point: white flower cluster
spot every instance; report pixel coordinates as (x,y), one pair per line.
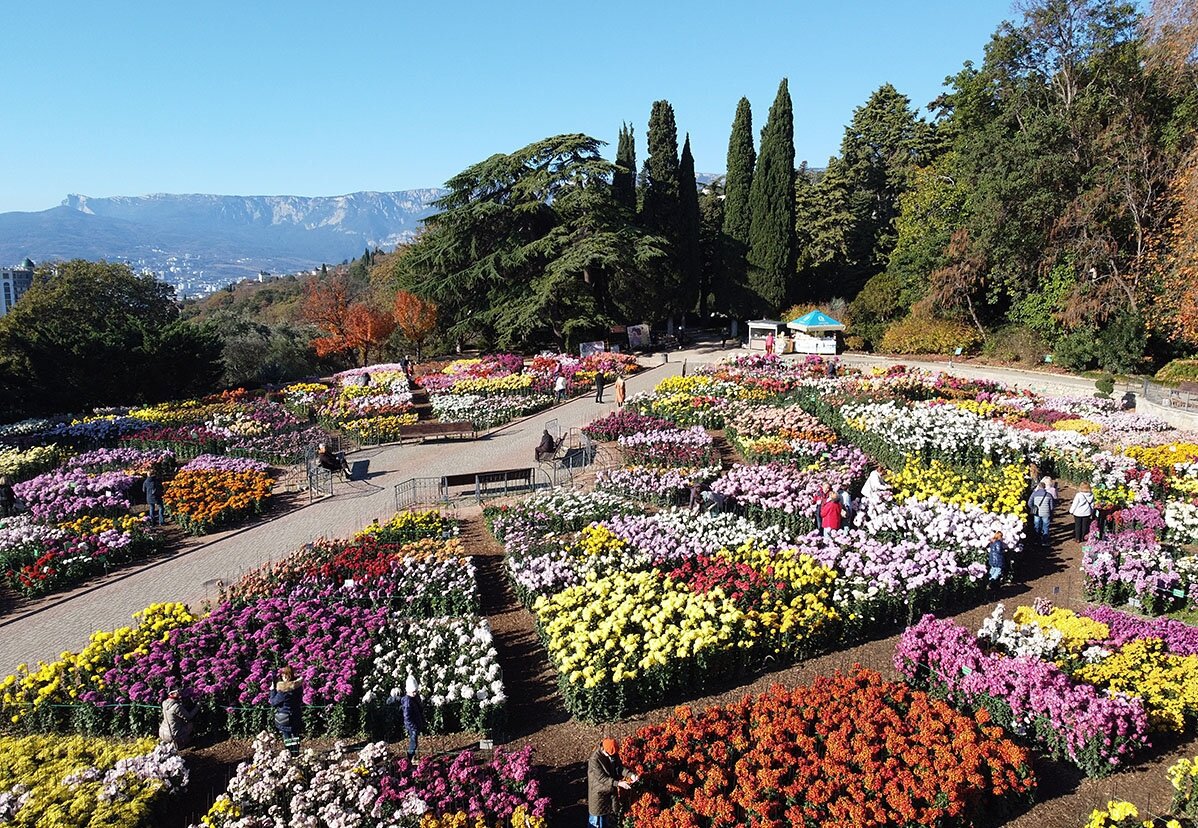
(452,659)
(936,430)
(1181,521)
(1020,639)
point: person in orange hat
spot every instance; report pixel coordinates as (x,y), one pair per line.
(605,776)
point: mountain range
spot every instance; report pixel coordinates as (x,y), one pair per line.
(216,238)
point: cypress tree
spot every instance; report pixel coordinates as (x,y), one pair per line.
(688,237)
(660,204)
(624,180)
(741,160)
(772,207)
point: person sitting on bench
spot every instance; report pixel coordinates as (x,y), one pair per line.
(547,447)
(333,461)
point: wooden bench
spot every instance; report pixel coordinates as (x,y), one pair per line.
(1185,395)
(436,430)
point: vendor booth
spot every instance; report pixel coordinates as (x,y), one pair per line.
(759,331)
(815,333)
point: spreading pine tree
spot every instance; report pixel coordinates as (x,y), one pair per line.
(688,240)
(624,180)
(772,207)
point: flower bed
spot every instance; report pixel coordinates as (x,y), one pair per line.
(992,487)
(369,787)
(18,465)
(213,491)
(410,526)
(621,423)
(653,484)
(846,750)
(669,447)
(76,782)
(487,411)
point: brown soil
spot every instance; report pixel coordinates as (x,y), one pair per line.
(537,716)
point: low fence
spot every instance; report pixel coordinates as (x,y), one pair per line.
(477,486)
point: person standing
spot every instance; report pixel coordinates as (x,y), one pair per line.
(1040,504)
(287,700)
(846,501)
(152,486)
(769,343)
(1082,509)
(8,498)
(996,560)
(559,387)
(413,716)
(600,381)
(874,485)
(1051,488)
(621,390)
(176,727)
(830,513)
(606,776)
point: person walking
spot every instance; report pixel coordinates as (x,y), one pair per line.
(600,381)
(176,727)
(1051,488)
(8,498)
(621,390)
(996,560)
(287,700)
(559,387)
(1040,505)
(606,776)
(1082,509)
(413,715)
(152,486)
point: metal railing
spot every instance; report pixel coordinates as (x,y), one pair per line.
(1169,396)
(478,486)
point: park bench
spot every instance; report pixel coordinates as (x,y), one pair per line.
(436,430)
(486,483)
(1185,395)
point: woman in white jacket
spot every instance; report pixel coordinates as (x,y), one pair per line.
(1082,509)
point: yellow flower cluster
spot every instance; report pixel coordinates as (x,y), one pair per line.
(365,428)
(89,525)
(701,385)
(982,409)
(41,766)
(223,810)
(62,681)
(492,385)
(615,628)
(1163,457)
(808,611)
(766,447)
(1077,424)
(17,464)
(520,818)
(1167,683)
(994,488)
(1119,813)
(427,523)
(459,365)
(1077,631)
(305,388)
(175,412)
(597,540)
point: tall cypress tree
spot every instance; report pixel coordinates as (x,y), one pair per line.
(660,205)
(732,292)
(624,179)
(772,207)
(688,237)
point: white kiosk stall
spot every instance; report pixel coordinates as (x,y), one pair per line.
(760,329)
(815,333)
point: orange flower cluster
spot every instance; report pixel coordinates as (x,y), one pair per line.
(846,751)
(200,500)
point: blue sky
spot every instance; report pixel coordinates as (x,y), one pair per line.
(304,98)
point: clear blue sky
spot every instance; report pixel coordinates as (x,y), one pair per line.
(306,98)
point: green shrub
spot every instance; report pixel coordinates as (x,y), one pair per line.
(919,334)
(1105,385)
(1179,370)
(854,343)
(1016,343)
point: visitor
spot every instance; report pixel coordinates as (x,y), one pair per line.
(831,513)
(152,486)
(332,461)
(695,500)
(1051,488)
(286,697)
(559,387)
(875,484)
(547,447)
(996,559)
(413,716)
(622,390)
(176,727)
(769,343)
(825,492)
(606,776)
(1082,509)
(1040,505)
(600,381)
(832,369)
(8,498)
(846,501)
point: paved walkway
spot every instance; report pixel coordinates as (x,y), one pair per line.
(53,627)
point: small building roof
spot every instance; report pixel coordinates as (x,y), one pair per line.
(815,320)
(761,323)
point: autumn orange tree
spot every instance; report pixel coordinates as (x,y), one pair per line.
(416,317)
(350,327)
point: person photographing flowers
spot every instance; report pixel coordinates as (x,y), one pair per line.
(606,776)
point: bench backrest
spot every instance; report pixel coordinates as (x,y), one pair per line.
(470,478)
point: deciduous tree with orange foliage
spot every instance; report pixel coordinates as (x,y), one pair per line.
(416,317)
(349,327)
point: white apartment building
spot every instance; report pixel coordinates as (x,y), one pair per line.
(14,281)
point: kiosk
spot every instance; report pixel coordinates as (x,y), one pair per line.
(759,329)
(815,333)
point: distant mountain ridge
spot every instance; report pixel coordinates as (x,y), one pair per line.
(220,236)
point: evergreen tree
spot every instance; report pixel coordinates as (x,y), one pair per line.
(624,178)
(661,209)
(772,207)
(712,247)
(688,238)
(742,158)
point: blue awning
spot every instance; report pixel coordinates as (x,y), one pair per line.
(815,320)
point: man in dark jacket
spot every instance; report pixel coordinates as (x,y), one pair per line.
(996,560)
(600,381)
(286,697)
(605,774)
(152,486)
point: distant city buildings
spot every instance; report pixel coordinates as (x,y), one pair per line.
(14,281)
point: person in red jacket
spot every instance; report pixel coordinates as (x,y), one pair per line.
(830,512)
